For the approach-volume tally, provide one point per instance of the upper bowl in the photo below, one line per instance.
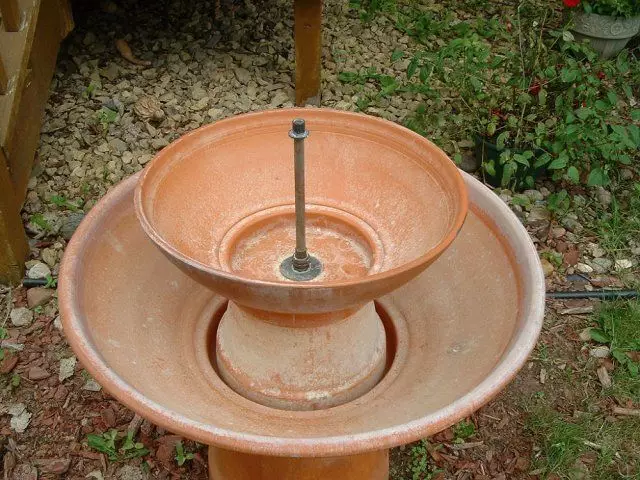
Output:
(382, 204)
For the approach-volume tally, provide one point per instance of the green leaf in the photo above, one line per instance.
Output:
(348, 77)
(397, 55)
(599, 336)
(613, 98)
(413, 66)
(573, 174)
(559, 162)
(597, 177)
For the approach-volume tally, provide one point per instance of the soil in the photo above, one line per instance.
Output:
(209, 61)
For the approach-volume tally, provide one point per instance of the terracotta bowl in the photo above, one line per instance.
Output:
(457, 334)
(382, 204)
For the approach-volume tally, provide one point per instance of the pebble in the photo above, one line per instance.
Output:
(20, 417)
(39, 270)
(67, 368)
(37, 373)
(558, 232)
(585, 334)
(21, 316)
(70, 224)
(601, 264)
(534, 195)
(603, 196)
(547, 267)
(623, 264)
(601, 351)
(38, 296)
(49, 256)
(91, 386)
(584, 268)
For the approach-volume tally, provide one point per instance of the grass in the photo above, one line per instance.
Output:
(617, 227)
(619, 328)
(570, 446)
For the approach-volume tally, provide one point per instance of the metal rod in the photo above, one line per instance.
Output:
(599, 294)
(299, 133)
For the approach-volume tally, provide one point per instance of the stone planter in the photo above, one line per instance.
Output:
(607, 35)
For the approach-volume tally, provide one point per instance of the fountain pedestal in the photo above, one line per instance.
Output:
(230, 465)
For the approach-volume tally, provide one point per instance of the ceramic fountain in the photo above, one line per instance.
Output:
(302, 296)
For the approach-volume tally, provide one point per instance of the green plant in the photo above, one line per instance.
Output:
(620, 224)
(107, 443)
(15, 381)
(619, 327)
(51, 282)
(39, 220)
(420, 467)
(463, 430)
(181, 455)
(614, 8)
(3, 334)
(105, 117)
(61, 201)
(368, 9)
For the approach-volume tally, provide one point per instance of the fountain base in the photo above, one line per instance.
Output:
(301, 362)
(230, 465)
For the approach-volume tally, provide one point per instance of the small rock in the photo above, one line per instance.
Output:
(538, 214)
(70, 224)
(626, 174)
(21, 316)
(149, 109)
(39, 270)
(91, 386)
(159, 143)
(571, 224)
(50, 256)
(571, 256)
(67, 367)
(584, 268)
(601, 351)
(243, 75)
(545, 192)
(543, 376)
(534, 195)
(38, 296)
(61, 393)
(603, 196)
(601, 264)
(595, 250)
(623, 264)
(118, 145)
(56, 466)
(278, 99)
(37, 373)
(20, 417)
(198, 93)
(547, 267)
(58, 323)
(604, 377)
(558, 232)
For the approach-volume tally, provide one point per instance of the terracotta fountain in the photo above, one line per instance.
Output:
(302, 296)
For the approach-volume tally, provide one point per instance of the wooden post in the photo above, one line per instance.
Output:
(308, 40)
(4, 79)
(14, 247)
(10, 15)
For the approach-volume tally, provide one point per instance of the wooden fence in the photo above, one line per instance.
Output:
(30, 36)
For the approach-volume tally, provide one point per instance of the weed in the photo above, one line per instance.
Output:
(51, 282)
(107, 443)
(463, 430)
(368, 9)
(38, 220)
(105, 117)
(62, 202)
(619, 327)
(420, 467)
(15, 381)
(617, 227)
(3, 334)
(181, 455)
(570, 446)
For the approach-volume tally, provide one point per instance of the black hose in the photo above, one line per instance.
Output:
(34, 282)
(597, 294)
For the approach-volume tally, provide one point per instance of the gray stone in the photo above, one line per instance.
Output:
(118, 145)
(39, 270)
(21, 316)
(70, 224)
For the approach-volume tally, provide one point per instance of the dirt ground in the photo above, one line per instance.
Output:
(201, 69)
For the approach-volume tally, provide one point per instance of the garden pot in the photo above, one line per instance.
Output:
(486, 151)
(607, 35)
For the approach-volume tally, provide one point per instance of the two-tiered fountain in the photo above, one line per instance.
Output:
(302, 339)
